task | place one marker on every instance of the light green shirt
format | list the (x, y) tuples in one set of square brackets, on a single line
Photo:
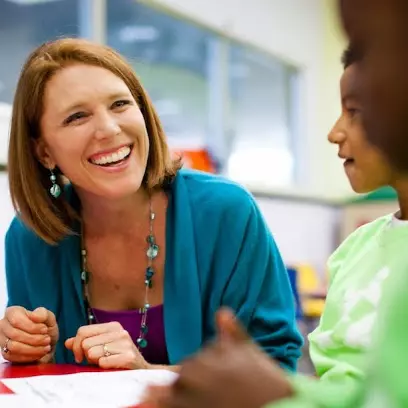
[(359, 270), (386, 385)]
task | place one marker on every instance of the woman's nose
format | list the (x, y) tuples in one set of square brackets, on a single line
[(106, 126)]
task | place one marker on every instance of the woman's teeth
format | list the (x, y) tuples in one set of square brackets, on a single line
[(112, 158)]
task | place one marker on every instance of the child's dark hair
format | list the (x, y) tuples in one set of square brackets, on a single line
[(350, 56)]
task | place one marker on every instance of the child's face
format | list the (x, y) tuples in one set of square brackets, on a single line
[(365, 166)]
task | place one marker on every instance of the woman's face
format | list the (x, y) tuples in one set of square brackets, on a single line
[(94, 132)]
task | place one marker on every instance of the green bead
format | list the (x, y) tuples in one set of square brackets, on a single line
[(142, 343), (149, 273), (150, 239), (55, 190), (152, 251), (144, 329)]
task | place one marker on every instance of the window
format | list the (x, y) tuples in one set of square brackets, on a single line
[(184, 69), (260, 88), (26, 24), (172, 58)]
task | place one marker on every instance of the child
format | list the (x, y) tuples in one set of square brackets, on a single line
[(360, 268)]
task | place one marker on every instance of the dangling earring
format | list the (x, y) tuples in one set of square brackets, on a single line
[(55, 189)]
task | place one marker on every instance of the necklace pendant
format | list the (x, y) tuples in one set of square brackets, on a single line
[(150, 239), (152, 251), (149, 273), (141, 342)]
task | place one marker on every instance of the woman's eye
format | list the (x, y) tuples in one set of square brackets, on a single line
[(121, 103), (74, 117)]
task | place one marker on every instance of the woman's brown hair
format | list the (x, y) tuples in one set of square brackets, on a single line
[(52, 219)]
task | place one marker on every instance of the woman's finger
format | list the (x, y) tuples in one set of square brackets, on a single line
[(51, 320), (18, 348), (45, 316), (38, 315), (19, 319), (121, 354), (123, 360), (69, 343), (21, 336), (113, 342), (90, 331), (109, 344), (21, 359)]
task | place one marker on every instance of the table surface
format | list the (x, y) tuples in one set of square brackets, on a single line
[(17, 371)]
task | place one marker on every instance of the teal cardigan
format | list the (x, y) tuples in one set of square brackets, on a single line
[(219, 252)]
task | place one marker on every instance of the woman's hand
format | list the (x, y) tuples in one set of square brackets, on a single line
[(28, 337), (107, 345)]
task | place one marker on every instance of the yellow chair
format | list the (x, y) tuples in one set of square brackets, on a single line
[(311, 289)]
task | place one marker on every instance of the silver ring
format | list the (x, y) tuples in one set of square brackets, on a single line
[(106, 352), (5, 348)]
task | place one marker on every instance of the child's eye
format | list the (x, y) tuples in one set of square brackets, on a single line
[(353, 112)]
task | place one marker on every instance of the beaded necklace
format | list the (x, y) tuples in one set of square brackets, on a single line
[(151, 252)]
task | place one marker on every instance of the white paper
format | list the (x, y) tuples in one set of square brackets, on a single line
[(117, 389), (17, 401)]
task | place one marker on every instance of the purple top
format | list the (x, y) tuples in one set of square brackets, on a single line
[(156, 350)]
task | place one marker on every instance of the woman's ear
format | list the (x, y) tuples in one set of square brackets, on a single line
[(43, 154)]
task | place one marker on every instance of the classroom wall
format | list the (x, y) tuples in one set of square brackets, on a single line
[(306, 232), (334, 44)]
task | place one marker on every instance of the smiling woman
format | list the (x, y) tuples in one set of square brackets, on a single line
[(113, 266), (106, 129)]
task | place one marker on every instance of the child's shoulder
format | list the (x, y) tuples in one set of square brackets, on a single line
[(359, 240), (366, 231)]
